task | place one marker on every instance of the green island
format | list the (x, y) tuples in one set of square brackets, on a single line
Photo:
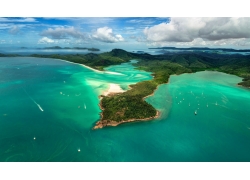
[(75, 48), (130, 105)]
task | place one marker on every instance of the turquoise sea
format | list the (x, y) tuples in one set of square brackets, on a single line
[(48, 108)]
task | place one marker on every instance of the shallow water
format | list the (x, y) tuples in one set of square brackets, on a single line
[(68, 95)]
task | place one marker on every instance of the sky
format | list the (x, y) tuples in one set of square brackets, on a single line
[(125, 32)]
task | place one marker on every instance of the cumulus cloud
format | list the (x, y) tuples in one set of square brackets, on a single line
[(199, 42), (208, 29), (106, 34), (63, 33), (45, 40)]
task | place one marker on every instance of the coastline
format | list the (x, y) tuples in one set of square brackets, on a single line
[(83, 66), (113, 89), (103, 123)]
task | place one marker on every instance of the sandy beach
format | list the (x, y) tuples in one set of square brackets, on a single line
[(83, 66), (113, 88)]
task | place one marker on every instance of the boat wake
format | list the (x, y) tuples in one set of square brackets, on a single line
[(38, 105)]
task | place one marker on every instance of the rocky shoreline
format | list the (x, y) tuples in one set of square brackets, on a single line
[(103, 123)]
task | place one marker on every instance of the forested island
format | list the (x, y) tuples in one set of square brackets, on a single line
[(130, 105), (204, 49), (75, 48)]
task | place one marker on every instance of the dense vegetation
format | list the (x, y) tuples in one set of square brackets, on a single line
[(130, 104), (192, 62), (97, 61), (8, 55)]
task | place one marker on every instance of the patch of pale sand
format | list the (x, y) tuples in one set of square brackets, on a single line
[(116, 73), (83, 66), (113, 88), (91, 68), (102, 72)]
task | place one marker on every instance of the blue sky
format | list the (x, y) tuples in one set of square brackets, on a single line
[(125, 32)]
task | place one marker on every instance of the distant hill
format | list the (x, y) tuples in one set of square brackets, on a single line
[(205, 49), (76, 48)]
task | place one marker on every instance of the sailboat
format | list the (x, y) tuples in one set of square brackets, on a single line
[(195, 112)]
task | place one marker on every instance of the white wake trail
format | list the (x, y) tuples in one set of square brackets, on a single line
[(38, 105)]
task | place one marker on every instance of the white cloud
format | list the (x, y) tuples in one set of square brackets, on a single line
[(208, 29), (45, 40), (106, 34), (63, 33), (199, 42), (14, 30), (18, 19), (141, 21)]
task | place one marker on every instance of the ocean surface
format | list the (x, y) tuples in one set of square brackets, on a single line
[(48, 108)]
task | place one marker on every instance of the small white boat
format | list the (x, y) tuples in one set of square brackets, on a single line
[(79, 150), (195, 112), (216, 103), (34, 138), (84, 106)]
